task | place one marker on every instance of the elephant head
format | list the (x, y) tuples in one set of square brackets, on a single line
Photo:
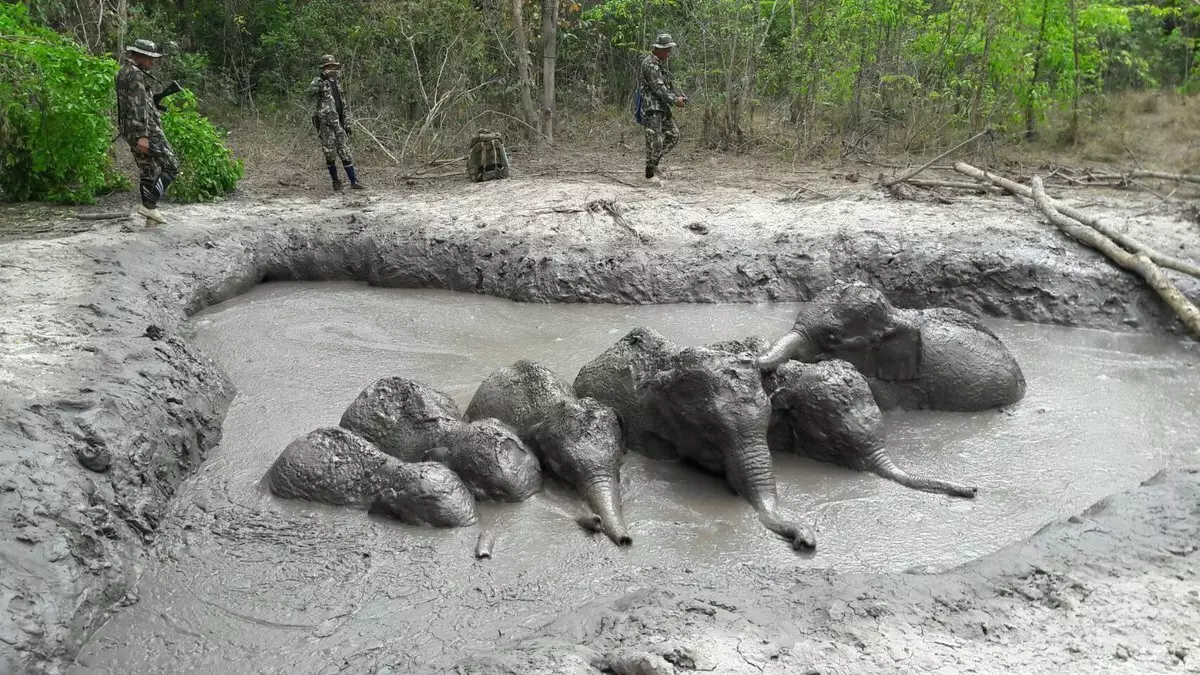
[(844, 316), (710, 405)]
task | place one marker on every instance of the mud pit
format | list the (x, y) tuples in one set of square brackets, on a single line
[(242, 590), (109, 406)]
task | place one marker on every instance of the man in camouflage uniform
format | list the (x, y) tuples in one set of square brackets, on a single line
[(659, 96), (141, 127), (329, 117)]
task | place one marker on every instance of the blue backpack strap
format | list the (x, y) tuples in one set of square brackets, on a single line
[(637, 106)]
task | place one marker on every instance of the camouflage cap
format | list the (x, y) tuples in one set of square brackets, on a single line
[(328, 60), (663, 41), (145, 47)]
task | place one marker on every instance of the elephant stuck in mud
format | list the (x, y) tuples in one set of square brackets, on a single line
[(336, 466), (940, 358), (826, 411), (413, 422), (577, 439), (702, 405)]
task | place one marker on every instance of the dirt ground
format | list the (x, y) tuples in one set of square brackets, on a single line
[(107, 407)]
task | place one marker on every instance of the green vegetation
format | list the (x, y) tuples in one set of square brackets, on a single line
[(810, 76), (208, 167), (54, 99)]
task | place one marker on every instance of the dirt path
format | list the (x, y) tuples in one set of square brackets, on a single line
[(105, 408)]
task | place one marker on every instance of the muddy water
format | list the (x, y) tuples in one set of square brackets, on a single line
[(248, 583)]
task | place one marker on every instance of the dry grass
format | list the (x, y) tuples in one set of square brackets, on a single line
[(1147, 130)]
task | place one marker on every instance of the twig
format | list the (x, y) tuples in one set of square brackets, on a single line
[(1092, 221), (1135, 262), (909, 174), (614, 210), (796, 194), (385, 150)]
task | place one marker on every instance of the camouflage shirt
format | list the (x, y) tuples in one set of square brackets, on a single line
[(136, 115), (327, 96), (658, 86)]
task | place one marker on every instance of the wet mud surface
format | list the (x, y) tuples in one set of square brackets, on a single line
[(107, 406), (225, 598)]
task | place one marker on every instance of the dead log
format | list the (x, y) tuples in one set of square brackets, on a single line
[(1094, 222), (1135, 262)]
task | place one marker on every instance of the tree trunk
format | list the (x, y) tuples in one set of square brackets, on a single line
[(524, 67), (1030, 126), (1075, 90), (549, 50)]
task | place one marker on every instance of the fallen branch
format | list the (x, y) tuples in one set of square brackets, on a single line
[(431, 176), (1092, 221), (1135, 262), (1142, 173), (101, 216), (954, 185), (909, 174)]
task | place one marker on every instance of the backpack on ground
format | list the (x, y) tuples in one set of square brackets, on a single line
[(487, 159)]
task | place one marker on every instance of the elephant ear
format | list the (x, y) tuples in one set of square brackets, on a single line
[(898, 356)]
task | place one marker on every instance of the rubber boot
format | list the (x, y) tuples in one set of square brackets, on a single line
[(353, 176), (337, 182)]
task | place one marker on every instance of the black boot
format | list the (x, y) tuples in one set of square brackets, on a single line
[(353, 176), (337, 182), (649, 171)]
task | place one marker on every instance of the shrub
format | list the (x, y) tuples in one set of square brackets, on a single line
[(207, 168), (55, 101)]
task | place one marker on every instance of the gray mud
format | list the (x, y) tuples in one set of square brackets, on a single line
[(299, 353), (105, 409)]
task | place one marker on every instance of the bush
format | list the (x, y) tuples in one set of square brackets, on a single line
[(55, 101), (207, 168)]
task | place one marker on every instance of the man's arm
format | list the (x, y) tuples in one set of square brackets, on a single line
[(652, 76)]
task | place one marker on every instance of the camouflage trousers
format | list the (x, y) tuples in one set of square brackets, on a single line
[(158, 167), (661, 136), (334, 143)]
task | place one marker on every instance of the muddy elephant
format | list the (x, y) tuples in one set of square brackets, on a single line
[(939, 358), (336, 466), (577, 439), (702, 405), (414, 423), (826, 411)]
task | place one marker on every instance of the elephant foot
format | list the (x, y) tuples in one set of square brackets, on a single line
[(799, 536)]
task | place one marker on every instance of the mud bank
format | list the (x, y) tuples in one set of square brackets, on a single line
[(105, 409), (1112, 590)]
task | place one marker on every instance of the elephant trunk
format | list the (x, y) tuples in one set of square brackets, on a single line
[(603, 496), (485, 543), (793, 344), (880, 463), (752, 475)]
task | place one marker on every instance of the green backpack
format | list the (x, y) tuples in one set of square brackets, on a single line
[(487, 159)]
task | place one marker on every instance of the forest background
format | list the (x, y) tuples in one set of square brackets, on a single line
[(798, 79)]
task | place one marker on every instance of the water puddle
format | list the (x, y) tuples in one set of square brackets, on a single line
[(249, 583)]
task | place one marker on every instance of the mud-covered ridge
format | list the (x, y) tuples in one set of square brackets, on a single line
[(1112, 590), (106, 408)]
